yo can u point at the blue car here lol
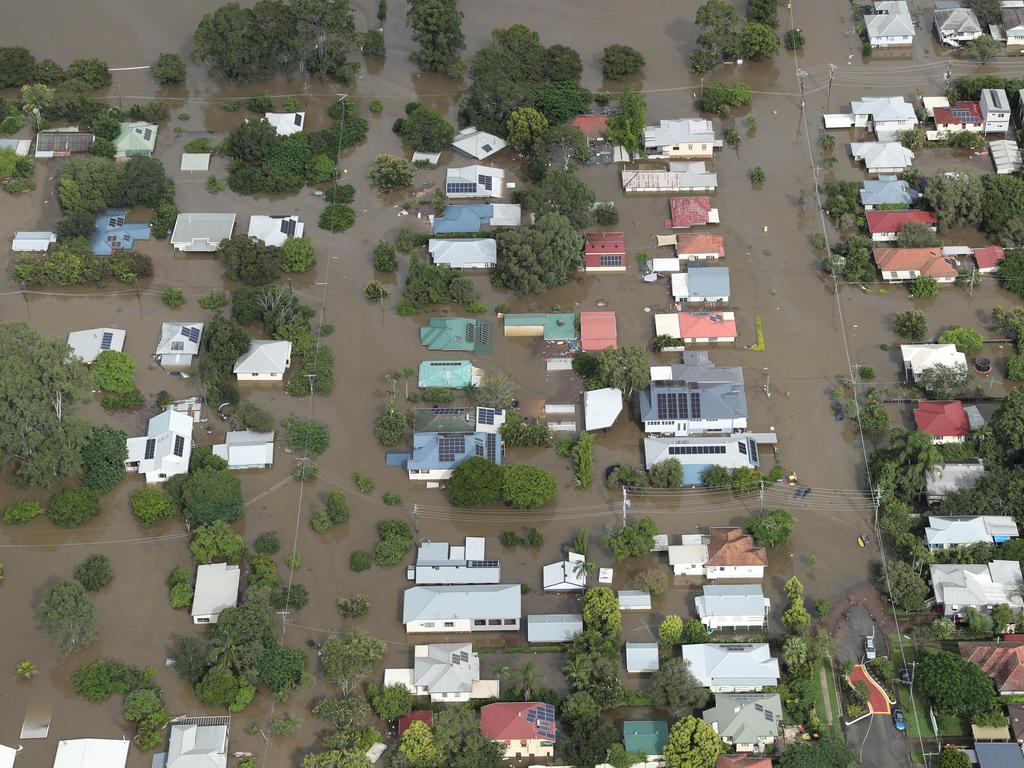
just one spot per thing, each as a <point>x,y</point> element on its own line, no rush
<point>898,720</point>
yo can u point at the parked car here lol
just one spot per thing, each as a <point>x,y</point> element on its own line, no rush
<point>802,492</point>
<point>869,647</point>
<point>905,676</point>
<point>898,719</point>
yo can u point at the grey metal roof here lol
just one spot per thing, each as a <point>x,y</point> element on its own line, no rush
<point>888,190</point>
<point>63,140</point>
<point>956,21</point>
<point>997,755</point>
<point>446,667</point>
<point>994,100</point>
<point>882,154</point>
<point>195,745</point>
<point>216,589</point>
<point>731,600</point>
<point>265,356</point>
<point>891,19</point>
<point>732,664</point>
<point>745,718</point>
<point>209,227</point>
<point>978,585</point>
<point>642,657</point>
<point>688,130</point>
<point>475,601</point>
<point>963,530</point>
<point>708,281</point>
<point>954,476</point>
<point>464,252</point>
<point>697,368</point>
<point>636,599</point>
<point>716,401</point>
<point>553,627</point>
<point>601,407</point>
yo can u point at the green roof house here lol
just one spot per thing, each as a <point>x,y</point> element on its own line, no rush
<point>553,327</point>
<point>452,374</point>
<point>135,139</point>
<point>457,334</point>
<point>647,736</point>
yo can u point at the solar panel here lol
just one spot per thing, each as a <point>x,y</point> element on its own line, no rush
<point>608,260</point>
<point>449,446</point>
<point>150,448</point>
<point>446,411</point>
<point>485,415</point>
<point>492,448</point>
<point>470,333</point>
<point>695,450</point>
<point>179,445</point>
<point>485,182</point>
<point>107,339</point>
<point>695,405</point>
<point>460,187</point>
<point>191,333</point>
<point>743,447</point>
<point>288,226</point>
<point>147,134</point>
<point>298,118</point>
<point>672,405</point>
<point>485,332</point>
<point>753,451</point>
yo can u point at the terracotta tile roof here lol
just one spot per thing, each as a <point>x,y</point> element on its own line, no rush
<point>591,126</point>
<point>700,244</point>
<point>423,715</point>
<point>597,331</point>
<point>742,761</point>
<point>512,721</point>
<point>958,113</point>
<point>706,325</point>
<point>927,261</point>
<point>1003,662</point>
<point>942,419</point>
<point>1016,712</point>
<point>689,211</point>
<point>989,256</point>
<point>604,242</point>
<point>893,221</point>
<point>731,546</point>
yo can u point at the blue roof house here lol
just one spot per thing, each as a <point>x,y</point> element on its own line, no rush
<point>113,233</point>
<point>435,455</point>
<point>462,218</point>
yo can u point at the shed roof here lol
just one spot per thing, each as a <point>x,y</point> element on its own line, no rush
<point>92,753</point>
<point>601,407</point>
<point>195,161</point>
<point>553,627</point>
<point>1006,156</point>
<point>591,126</point>
<point>216,589</point>
<point>635,599</point>
<point>642,657</point>
<point>597,331</point>
<point>647,736</point>
<point>265,356</point>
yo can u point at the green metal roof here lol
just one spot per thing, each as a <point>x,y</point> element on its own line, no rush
<point>454,374</point>
<point>557,327</point>
<point>647,736</point>
<point>457,334</point>
<point>136,138</point>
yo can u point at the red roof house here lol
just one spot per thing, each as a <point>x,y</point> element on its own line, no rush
<point>604,252</point>
<point>525,727</point>
<point>591,126</point>
<point>958,116</point>
<point>1003,662</point>
<point>945,421</point>
<point>885,225</point>
<point>423,715</point>
<point>691,212</point>
<point>700,246</point>
<point>597,331</point>
<point>898,264</point>
<point>988,258</point>
<point>697,327</point>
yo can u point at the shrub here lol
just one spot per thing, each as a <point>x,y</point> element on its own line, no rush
<point>794,40</point>
<point>306,435</point>
<point>757,176</point>
<point>169,69</point>
<point>390,173</point>
<point>363,482</point>
<point>966,340</point>
<point>606,214</point>
<point>95,573</point>
<point>341,193</point>
<point>1014,368</point>
<point>360,561</point>
<point>181,595</point>
<point>376,107</point>
<point>355,606</point>
<point>620,61</point>
<point>73,506</point>
<point>392,499</point>
<point>384,257</point>
<point>298,255</point>
<point>267,544</point>
<point>173,297</point>
<point>292,598</point>
<point>114,371</point>
<point>337,217</point>
<point>259,104</point>
<point>21,512</point>
<point>924,288</point>
<point>375,291</point>
<point>150,505</point>
<point>526,487</point>
<point>214,300</point>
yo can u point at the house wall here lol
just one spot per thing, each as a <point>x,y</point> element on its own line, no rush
<point>699,256</point>
<point>681,151</point>
<point>688,569</point>
<point>948,439</point>
<point>883,237</point>
<point>892,42</point>
<point>463,625</point>
<point>206,618</point>
<point>605,269</point>
<point>747,748</point>
<point>735,572</point>
<point>730,622</point>
<point>736,688</point>
<point>716,340</point>
<point>430,474</point>
<point>529,748</point>
<point>524,330</point>
<point>259,376</point>
<point>910,274</point>
<point>684,427</point>
<point>1015,36</point>
<point>944,128</point>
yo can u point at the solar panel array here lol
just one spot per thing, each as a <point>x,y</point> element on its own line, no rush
<point>966,116</point>
<point>695,405</point>
<point>766,713</point>
<point>447,411</point>
<point>672,405</point>
<point>298,118</point>
<point>107,340</point>
<point>487,147</point>
<point>288,227</point>
<point>115,221</point>
<point>485,333</point>
<point>695,450</point>
<point>191,333</point>
<point>543,716</point>
<point>150,448</point>
<point>445,363</point>
<point>179,445</point>
<point>460,188</point>
<point>485,182</point>
<point>753,451</point>
<point>450,446</point>
<point>492,448</point>
<point>470,333</point>
<point>485,415</point>
<point>147,134</point>
<point>609,260</point>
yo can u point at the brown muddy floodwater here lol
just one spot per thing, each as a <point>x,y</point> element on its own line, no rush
<point>775,275</point>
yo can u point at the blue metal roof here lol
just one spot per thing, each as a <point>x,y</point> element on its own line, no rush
<point>444,450</point>
<point>462,218</point>
<point>113,233</point>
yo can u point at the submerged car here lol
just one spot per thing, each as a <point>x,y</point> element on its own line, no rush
<point>898,719</point>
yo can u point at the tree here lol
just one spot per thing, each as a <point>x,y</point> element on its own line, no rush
<point>337,217</point>
<point>390,173</point>
<point>601,611</point>
<point>67,616</point>
<point>982,49</point>
<point>390,426</point>
<point>795,652</point>
<point>248,415</point>
<point>764,12</point>
<point>955,197</point>
<point>1002,207</point>
<point>425,130</point>
<point>17,67</point>
<point>955,685</point>
<point>250,260</point>
<point>418,746</point>
<point>626,126</point>
<point>632,539</point>
<point>620,61</point>
<point>915,234</point>
<point>773,529</point>
<point>525,127</point>
<point>718,40</point>
<point>794,40</point>
<point>527,487</point>
<point>73,506</point>
<point>827,752</point>
<point>795,617</point>
<point>140,704</point>
<point>251,141</point>
<point>169,69</point>
<point>534,259</point>
<point>389,702</point>
<point>758,41</point>
<point>496,391</point>
<point>911,324</point>
<point>437,29</point>
<point>906,587</point>
<point>298,255</point>
<point>676,689</point>
<point>103,458</point>
<point>350,657</point>
<point>115,371</point>
<point>21,512</point>
<point>216,541</point>
<point>966,340</point>
<point>219,686</point>
<point>623,368</point>
<point>311,436</point>
<point>95,573</point>
<point>853,259</point>
<point>476,482</point>
<point>692,743</point>
<point>944,381</point>
<point>562,63</point>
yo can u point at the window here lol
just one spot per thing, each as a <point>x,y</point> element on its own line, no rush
<point>203,620</point>
<point>479,623</point>
<point>510,622</point>
<point>494,622</point>
<point>449,623</point>
<point>427,624</point>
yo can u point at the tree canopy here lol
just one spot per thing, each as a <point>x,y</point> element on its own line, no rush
<point>620,61</point>
<point>955,685</point>
<point>437,30</point>
<point>626,126</point>
<point>476,482</point>
<point>692,743</point>
<point>535,259</point>
<point>67,616</point>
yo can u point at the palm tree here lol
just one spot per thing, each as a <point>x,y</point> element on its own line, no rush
<point>27,670</point>
<point>406,374</point>
<point>522,679</point>
<point>581,542</point>
<point>577,670</point>
<point>916,453</point>
<point>582,568</point>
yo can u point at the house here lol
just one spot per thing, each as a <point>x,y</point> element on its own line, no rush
<point>960,116</point>
<point>275,230</point>
<point>689,212</point>
<point>642,657</point>
<point>481,253</point>
<point>446,672</point>
<point>882,157</point>
<point>679,139</point>
<point>634,600</point>
<point>601,407</point>
<point>697,369</point>
<point>959,587</point>
<point>690,555</point>
<point>458,420</point>
<point>88,345</point>
<point>690,176</point>
<point>198,742</point>
<point>33,241</point>
<point>997,755</point>
<point>733,606</point>
<point>477,144</point>
<point>681,408</point>
<point>201,232</point>
<point>136,140</point>
<point>62,142</point>
<point>450,374</point>
<point>178,344</point>
<point>945,421</point>
<point>165,450</point>
<point>700,247</point>
<point>1013,21</point>
<point>1002,661</point>
<point>732,554</point>
<point>885,226</point>
<point>569,575</point>
<point>918,358</point>
<point>701,285</point>
<point>962,531</point>
<point>462,608</point>
<point>442,563</point>
<point>890,26</point>
<point>417,715</point>
<point>435,455</point>
<point>648,737</point>
<point>1006,156</point>
<point>900,264</point>
<point>887,190</point>
<point>955,25</point>
<point>952,476</point>
<point>527,728</point>
<point>591,126</point>
<point>92,753</point>
<point>21,147</point>
<point>474,181</point>
<point>246,449</point>
<point>112,233</point>
<point>266,360</point>
<point>470,218</point>
<point>286,123</point>
<point>885,116</point>
<point>732,667</point>
<point>749,722</point>
<point>553,627</point>
<point>696,328</point>
<point>698,454</point>
<point>987,259</point>
<point>457,334</point>
<point>995,108</point>
<point>559,326</point>
<point>216,589</point>
<point>597,331</point>
<point>604,252</point>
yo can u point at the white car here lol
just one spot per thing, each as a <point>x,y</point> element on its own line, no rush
<point>869,647</point>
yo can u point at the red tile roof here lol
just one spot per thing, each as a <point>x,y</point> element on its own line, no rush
<point>942,418</point>
<point>927,261</point>
<point>698,243</point>
<point>731,546</point>
<point>597,331</point>
<point>604,242</point>
<point>591,126</point>
<point>945,116</point>
<point>989,256</point>
<point>1003,662</point>
<point>507,721</point>
<point>742,761</point>
<point>688,211</point>
<point>705,325</point>
<point>423,715</point>
<point>893,221</point>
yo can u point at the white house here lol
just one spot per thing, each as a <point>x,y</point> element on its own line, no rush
<point>246,449</point>
<point>438,562</point>
<point>286,123</point>
<point>882,156</point>
<point>198,742</point>
<point>467,253</point>
<point>918,358</point>
<point>732,667</point>
<point>749,722</point>
<point>179,343</point>
<point>201,232</point>
<point>216,589</point>
<point>463,608</point>
<point>1013,22</point>
<point>681,138</point>
<point>32,241</point>
<point>732,554</point>
<point>642,657</point>
<point>701,285</point>
<point>446,672</point>
<point>275,230</point>
<point>474,181</point>
<point>89,344</point>
<point>699,453</point>
<point>92,753</point>
<point>883,115</point>
<point>995,109</point>
<point>266,360</point>
<point>955,25</point>
<point>682,408</point>
<point>569,575</point>
<point>690,555</point>
<point>690,176</point>
<point>165,450</point>
<point>733,606</point>
<point>890,26</point>
<point>477,144</point>
<point>962,531</point>
<point>959,587</point>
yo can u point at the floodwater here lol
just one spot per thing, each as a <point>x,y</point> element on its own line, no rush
<point>775,275</point>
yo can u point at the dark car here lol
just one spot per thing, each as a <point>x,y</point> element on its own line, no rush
<point>905,677</point>
<point>802,492</point>
<point>897,719</point>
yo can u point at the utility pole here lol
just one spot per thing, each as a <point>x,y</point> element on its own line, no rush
<point>974,276</point>
<point>832,69</point>
<point>768,383</point>
<point>625,504</point>
<point>948,77</point>
<point>877,494</point>
<point>761,496</point>
<point>120,105</point>
<point>702,87</point>
<point>305,91</point>
<point>138,294</point>
<point>801,74</point>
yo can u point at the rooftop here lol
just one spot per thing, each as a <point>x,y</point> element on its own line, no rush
<point>553,627</point>
<point>597,331</point>
<point>689,211</point>
<point>746,665</point>
<point>647,736</point>
<point>216,589</point>
<point>893,221</point>
<point>733,547</point>
<point>978,585</point>
<point>265,356</point>
<point>942,418</point>
<point>591,126</point>
<point>888,190</point>
<point>699,243</point>
<point>1002,661</point>
<point>472,601</point>
<point>514,720</point>
<point>745,718</point>
<point>477,144</point>
<point>642,657</point>
<point>731,600</point>
<point>927,261</point>
<point>89,344</point>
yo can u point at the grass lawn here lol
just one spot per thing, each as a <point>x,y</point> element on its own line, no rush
<point>819,699</point>
<point>918,722</point>
<point>833,697</point>
<point>953,726</point>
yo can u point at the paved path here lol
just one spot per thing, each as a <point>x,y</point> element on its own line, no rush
<point>826,697</point>
<point>878,702</point>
